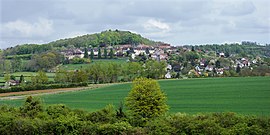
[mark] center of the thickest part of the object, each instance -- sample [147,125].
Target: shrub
[57,110]
[146,100]
[31,106]
[105,115]
[120,128]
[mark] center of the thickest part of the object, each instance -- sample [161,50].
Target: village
[217,64]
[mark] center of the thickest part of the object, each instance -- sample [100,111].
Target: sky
[178,22]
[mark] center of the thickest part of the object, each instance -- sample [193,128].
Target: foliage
[86,55]
[7,77]
[31,107]
[34,118]
[155,69]
[78,60]
[146,100]
[99,53]
[111,53]
[105,53]
[45,61]
[40,78]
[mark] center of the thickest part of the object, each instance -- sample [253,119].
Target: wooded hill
[117,37]
[105,38]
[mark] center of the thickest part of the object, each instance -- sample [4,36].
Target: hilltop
[104,38]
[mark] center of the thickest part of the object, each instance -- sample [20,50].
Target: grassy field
[27,76]
[250,95]
[83,66]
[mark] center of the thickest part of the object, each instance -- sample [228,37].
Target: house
[164,46]
[221,54]
[209,68]
[169,67]
[219,71]
[197,68]
[139,51]
[13,82]
[70,54]
[168,75]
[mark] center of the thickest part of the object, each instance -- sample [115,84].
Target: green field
[250,95]
[83,66]
[27,76]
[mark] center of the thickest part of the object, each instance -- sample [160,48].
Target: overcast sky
[177,22]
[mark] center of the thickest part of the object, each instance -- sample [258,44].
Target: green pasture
[247,95]
[83,66]
[27,76]
[74,66]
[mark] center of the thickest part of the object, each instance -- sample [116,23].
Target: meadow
[83,66]
[27,76]
[244,95]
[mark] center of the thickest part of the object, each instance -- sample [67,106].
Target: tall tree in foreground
[146,100]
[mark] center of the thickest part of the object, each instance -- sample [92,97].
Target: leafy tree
[238,69]
[40,78]
[61,76]
[85,53]
[192,48]
[154,69]
[7,66]
[105,53]
[32,106]
[132,70]
[95,71]
[21,79]
[45,61]
[16,64]
[111,53]
[80,76]
[92,54]
[99,53]
[13,77]
[7,77]
[146,100]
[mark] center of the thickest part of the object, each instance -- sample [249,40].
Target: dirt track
[22,94]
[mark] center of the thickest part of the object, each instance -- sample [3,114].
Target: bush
[77,60]
[120,128]
[105,115]
[57,110]
[146,100]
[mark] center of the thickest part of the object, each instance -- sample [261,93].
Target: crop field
[249,95]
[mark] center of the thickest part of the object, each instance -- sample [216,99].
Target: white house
[168,75]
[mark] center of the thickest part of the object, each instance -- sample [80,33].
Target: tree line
[113,72]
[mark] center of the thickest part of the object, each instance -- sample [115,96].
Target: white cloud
[19,28]
[156,24]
